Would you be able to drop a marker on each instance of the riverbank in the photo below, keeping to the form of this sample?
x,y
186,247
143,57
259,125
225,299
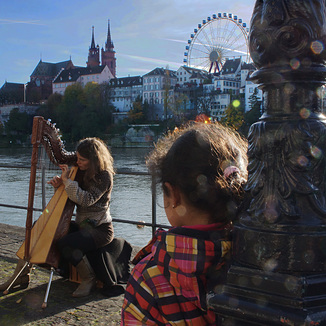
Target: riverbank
x,y
24,307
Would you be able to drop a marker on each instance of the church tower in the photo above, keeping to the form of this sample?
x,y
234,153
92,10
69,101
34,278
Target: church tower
x,y
93,53
108,55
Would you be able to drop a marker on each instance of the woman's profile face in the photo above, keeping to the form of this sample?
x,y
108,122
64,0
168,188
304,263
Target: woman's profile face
x,y
82,162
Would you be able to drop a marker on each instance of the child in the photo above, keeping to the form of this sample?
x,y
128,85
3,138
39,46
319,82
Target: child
x,y
202,169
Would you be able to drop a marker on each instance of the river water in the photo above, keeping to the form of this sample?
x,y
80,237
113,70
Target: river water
x,y
131,195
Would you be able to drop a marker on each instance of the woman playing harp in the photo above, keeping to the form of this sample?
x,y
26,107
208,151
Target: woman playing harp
x,y
91,194
93,227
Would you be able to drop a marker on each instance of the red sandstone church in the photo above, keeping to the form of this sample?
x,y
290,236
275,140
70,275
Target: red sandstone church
x,y
48,78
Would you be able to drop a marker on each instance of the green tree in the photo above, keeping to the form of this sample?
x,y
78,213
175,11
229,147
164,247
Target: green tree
x,y
233,115
19,124
49,110
254,113
70,111
255,104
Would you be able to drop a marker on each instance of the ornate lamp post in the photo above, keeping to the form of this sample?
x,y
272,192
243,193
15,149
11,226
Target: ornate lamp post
x,y
278,276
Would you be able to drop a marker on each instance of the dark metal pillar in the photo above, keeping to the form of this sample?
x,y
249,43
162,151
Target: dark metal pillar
x,y
278,276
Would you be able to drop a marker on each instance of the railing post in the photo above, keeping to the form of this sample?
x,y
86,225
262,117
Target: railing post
x,y
278,275
153,186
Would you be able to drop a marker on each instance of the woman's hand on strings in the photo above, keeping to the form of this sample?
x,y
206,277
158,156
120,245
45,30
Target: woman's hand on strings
x,y
65,172
55,181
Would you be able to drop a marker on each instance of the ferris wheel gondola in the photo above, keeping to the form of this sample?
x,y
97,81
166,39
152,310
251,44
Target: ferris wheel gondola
x,y
220,37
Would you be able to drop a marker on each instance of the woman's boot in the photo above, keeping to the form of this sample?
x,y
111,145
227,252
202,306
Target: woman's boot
x,y
23,279
88,279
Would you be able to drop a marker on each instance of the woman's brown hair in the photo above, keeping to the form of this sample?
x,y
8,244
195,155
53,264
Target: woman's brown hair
x,y
99,156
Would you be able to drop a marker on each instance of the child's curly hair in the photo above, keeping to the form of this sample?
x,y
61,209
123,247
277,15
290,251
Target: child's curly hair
x,y
195,158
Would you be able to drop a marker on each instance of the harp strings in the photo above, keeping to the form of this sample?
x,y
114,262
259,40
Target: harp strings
x,y
43,191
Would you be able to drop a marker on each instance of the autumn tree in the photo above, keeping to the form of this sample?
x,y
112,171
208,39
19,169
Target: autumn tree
x,y
136,114
233,115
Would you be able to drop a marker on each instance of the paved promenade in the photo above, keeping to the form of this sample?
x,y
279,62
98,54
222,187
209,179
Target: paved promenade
x,y
24,307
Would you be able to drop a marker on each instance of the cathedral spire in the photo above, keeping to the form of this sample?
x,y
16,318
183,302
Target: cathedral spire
x,y
109,44
108,55
93,53
93,41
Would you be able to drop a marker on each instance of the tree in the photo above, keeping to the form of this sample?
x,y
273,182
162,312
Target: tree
x,y
49,110
233,115
136,114
19,124
70,111
166,92
205,99
180,106
254,113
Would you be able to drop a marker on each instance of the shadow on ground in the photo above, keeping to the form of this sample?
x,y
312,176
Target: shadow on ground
x,y
24,307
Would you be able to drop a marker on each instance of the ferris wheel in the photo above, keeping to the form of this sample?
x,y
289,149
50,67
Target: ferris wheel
x,y
220,37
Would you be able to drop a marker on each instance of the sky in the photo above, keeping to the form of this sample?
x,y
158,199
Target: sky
x,y
146,33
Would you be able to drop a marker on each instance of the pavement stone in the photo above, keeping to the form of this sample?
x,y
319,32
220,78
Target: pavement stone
x,y
24,307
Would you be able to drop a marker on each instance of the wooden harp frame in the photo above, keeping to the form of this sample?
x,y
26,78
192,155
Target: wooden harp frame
x,y
54,221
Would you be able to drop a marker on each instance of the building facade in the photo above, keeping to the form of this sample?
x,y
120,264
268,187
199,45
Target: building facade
x,y
123,93
39,88
67,77
158,92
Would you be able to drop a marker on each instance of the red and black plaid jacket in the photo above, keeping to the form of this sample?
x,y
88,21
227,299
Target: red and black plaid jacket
x,y
168,286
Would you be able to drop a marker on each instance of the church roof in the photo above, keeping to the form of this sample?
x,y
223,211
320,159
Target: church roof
x,y
8,87
69,75
50,69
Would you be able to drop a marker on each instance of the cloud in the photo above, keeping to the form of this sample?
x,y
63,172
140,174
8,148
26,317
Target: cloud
x,y
29,22
149,60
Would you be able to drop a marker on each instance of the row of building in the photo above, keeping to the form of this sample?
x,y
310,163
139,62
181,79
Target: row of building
x,y
167,92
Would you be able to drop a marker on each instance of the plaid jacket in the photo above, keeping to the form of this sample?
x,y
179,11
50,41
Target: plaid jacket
x,y
169,284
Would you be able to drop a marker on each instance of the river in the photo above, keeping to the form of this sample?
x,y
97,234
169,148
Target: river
x,y
131,195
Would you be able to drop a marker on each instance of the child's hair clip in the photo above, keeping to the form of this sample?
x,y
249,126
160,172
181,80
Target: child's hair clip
x,y
230,170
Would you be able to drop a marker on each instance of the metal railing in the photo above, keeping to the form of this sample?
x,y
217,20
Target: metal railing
x,y
154,225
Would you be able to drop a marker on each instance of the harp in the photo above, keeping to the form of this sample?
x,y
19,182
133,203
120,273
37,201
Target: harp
x,y
38,247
